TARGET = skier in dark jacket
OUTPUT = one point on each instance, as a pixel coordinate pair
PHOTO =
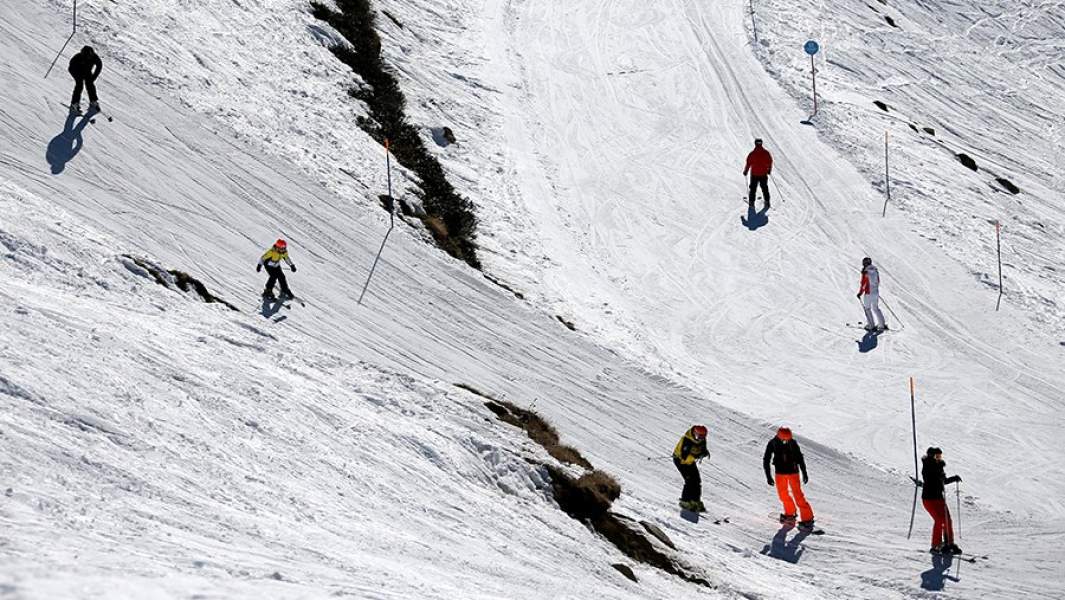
(786, 456)
(271, 259)
(691, 448)
(760, 166)
(85, 67)
(932, 496)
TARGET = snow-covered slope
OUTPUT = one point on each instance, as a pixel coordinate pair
(155, 446)
(637, 117)
(984, 79)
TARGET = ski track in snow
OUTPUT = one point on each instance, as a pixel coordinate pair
(157, 447)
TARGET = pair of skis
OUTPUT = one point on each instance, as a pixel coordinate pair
(861, 325)
(91, 114)
(972, 558)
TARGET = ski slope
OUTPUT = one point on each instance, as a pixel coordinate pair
(156, 446)
(648, 112)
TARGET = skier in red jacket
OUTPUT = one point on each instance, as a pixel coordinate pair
(760, 166)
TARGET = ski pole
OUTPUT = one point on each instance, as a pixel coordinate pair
(897, 319)
(776, 187)
(659, 457)
(957, 493)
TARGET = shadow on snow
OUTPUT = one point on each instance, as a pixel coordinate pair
(65, 146)
(784, 549)
(755, 220)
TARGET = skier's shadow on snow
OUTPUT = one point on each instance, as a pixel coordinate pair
(783, 548)
(271, 307)
(934, 579)
(868, 342)
(755, 220)
(65, 146)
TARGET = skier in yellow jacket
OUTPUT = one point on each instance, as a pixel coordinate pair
(691, 448)
(271, 259)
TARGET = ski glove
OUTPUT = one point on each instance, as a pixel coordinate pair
(769, 481)
(956, 478)
(859, 296)
(258, 267)
(293, 268)
(805, 479)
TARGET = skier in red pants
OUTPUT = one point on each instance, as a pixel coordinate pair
(784, 453)
(932, 496)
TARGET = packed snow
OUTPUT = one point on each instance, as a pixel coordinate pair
(154, 446)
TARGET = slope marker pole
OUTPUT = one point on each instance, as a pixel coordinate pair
(392, 222)
(998, 244)
(913, 420)
(887, 175)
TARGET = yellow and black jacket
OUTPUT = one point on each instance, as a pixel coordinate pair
(273, 258)
(689, 450)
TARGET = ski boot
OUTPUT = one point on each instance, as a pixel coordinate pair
(75, 109)
(951, 549)
(940, 549)
(697, 506)
(287, 295)
(766, 207)
(787, 519)
(808, 525)
(94, 107)
(689, 505)
(269, 296)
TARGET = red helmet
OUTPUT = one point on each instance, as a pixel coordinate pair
(784, 433)
(699, 432)
(280, 244)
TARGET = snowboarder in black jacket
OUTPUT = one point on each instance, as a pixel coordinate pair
(933, 486)
(85, 67)
(784, 452)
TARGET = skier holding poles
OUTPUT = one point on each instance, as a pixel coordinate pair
(760, 165)
(870, 288)
(934, 500)
(85, 67)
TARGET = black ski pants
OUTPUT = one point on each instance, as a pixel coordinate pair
(276, 275)
(759, 180)
(90, 86)
(693, 484)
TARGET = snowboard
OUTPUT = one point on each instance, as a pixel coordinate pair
(806, 530)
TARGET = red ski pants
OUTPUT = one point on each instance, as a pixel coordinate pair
(943, 529)
(791, 482)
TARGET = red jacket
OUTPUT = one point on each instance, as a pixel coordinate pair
(759, 162)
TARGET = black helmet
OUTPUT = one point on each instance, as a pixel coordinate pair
(867, 261)
(87, 50)
(932, 451)
(757, 141)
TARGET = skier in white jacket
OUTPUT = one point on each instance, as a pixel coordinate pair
(870, 288)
